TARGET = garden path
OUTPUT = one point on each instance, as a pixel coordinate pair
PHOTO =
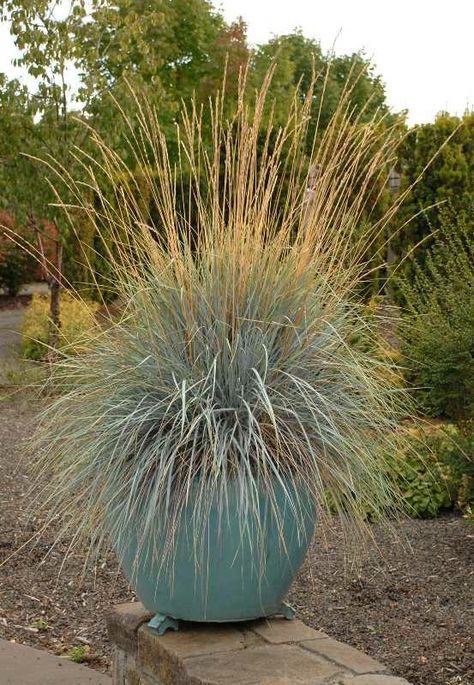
(10, 325)
(21, 665)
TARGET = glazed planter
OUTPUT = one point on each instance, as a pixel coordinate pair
(235, 577)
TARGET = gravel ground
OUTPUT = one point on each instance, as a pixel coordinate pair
(410, 603)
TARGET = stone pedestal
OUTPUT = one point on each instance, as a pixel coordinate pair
(265, 652)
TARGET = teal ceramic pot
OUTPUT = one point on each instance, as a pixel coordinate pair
(235, 579)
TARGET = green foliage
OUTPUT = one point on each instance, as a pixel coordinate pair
(448, 178)
(432, 471)
(458, 458)
(165, 45)
(17, 134)
(421, 474)
(40, 624)
(436, 472)
(417, 474)
(14, 268)
(77, 324)
(80, 654)
(297, 57)
(39, 119)
(166, 51)
(438, 327)
(40, 123)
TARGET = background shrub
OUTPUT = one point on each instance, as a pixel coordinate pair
(449, 177)
(458, 459)
(421, 474)
(77, 320)
(432, 471)
(14, 268)
(438, 328)
(436, 471)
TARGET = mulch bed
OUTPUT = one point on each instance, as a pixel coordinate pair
(409, 604)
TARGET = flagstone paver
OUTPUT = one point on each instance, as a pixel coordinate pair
(21, 665)
(345, 655)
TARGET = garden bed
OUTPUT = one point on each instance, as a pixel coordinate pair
(409, 604)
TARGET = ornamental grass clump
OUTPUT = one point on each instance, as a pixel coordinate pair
(230, 366)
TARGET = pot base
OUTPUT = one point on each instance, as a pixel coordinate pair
(160, 623)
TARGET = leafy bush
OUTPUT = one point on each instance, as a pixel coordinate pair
(77, 321)
(14, 268)
(438, 329)
(420, 473)
(368, 338)
(457, 458)
(435, 471)
(416, 473)
(432, 471)
(442, 175)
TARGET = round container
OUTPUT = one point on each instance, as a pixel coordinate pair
(234, 577)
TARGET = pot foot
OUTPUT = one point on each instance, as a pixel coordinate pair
(160, 623)
(286, 611)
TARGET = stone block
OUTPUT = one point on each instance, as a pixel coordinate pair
(263, 664)
(343, 654)
(123, 623)
(124, 669)
(118, 666)
(163, 656)
(148, 680)
(194, 639)
(165, 668)
(280, 630)
(275, 680)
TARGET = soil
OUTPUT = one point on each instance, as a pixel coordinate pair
(409, 603)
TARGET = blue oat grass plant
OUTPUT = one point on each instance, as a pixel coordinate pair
(231, 364)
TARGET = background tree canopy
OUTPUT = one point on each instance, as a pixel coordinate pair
(442, 153)
(82, 56)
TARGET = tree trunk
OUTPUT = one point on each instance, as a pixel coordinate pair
(53, 273)
(54, 311)
(55, 286)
